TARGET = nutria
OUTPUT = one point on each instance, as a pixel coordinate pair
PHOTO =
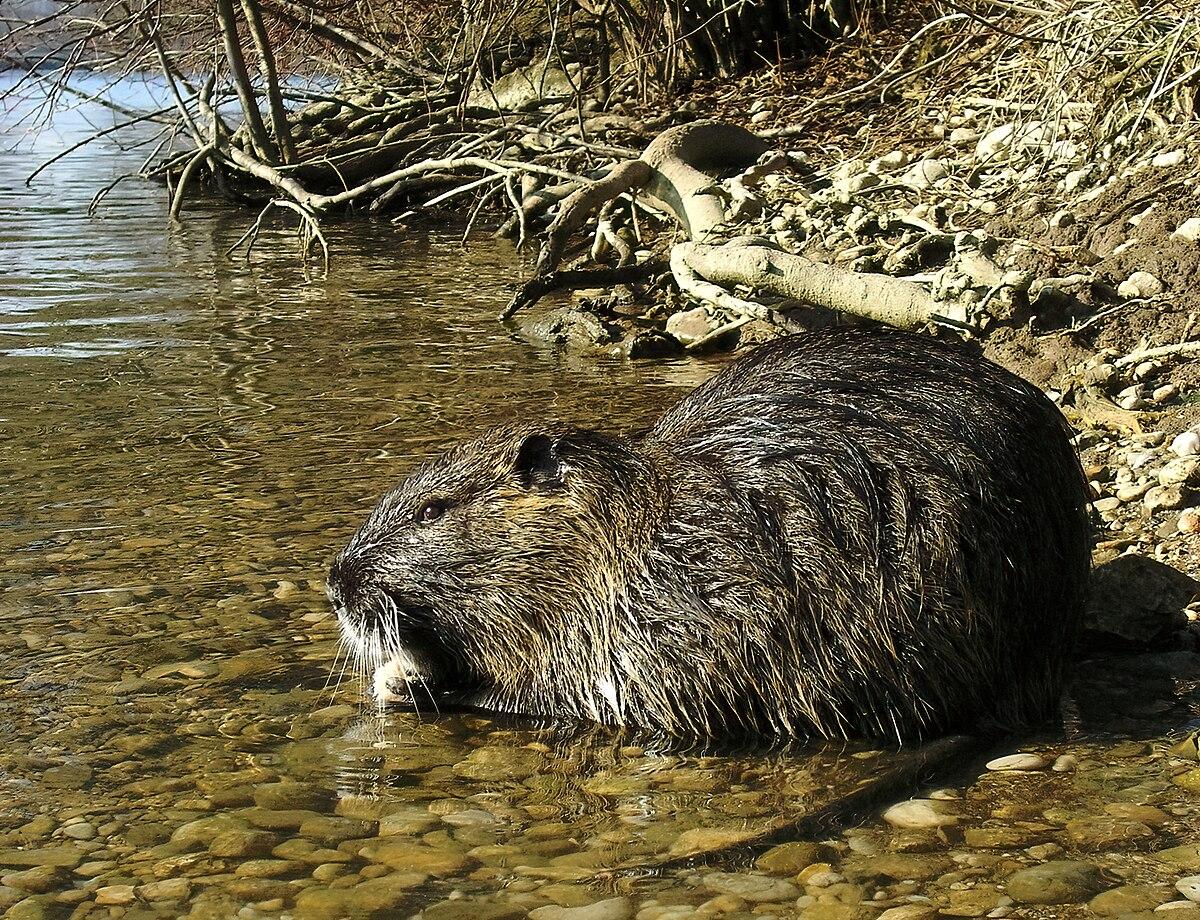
(853, 531)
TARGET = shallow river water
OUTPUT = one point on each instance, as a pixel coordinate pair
(186, 438)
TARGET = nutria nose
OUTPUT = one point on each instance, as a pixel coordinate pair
(344, 585)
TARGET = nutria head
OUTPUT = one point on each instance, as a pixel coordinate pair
(475, 581)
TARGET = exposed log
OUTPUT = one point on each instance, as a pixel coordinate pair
(877, 297)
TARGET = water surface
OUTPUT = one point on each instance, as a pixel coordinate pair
(186, 438)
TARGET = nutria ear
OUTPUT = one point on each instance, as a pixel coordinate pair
(540, 465)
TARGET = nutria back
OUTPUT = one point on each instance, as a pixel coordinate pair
(854, 531)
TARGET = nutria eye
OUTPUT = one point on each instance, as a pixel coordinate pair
(430, 511)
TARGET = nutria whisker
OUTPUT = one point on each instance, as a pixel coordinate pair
(342, 653)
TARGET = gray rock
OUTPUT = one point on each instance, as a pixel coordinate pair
(1180, 471)
(1165, 498)
(523, 88)
(1189, 887)
(608, 909)
(1186, 444)
(1189, 230)
(690, 326)
(756, 889)
(1137, 600)
(1058, 882)
(651, 344)
(68, 776)
(924, 173)
(1140, 284)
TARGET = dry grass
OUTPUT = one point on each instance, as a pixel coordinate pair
(1106, 72)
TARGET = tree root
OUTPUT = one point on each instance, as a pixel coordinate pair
(680, 171)
(583, 203)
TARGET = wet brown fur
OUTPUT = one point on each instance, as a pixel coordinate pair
(854, 531)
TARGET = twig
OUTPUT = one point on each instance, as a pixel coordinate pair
(539, 286)
(1162, 351)
(184, 177)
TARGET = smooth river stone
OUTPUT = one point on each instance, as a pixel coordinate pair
(756, 889)
(705, 839)
(790, 858)
(608, 909)
(1189, 887)
(203, 831)
(473, 909)
(896, 867)
(909, 912)
(236, 844)
(169, 889)
(1020, 761)
(37, 880)
(286, 796)
(1102, 832)
(920, 814)
(409, 856)
(46, 856)
(331, 831)
(408, 822)
(1058, 882)
(1129, 899)
(115, 895)
(1185, 857)
(494, 763)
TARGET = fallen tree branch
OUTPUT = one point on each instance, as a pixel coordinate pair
(539, 286)
(877, 297)
(184, 177)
